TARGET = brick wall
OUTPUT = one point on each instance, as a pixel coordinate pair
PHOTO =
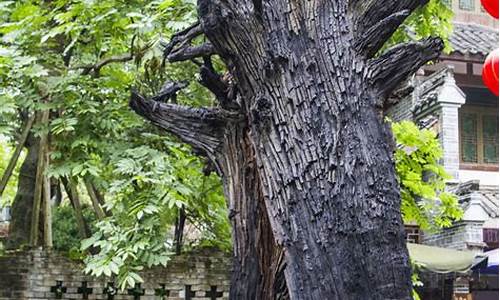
(35, 275)
(402, 110)
(460, 236)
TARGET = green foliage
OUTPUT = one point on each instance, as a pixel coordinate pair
(415, 280)
(149, 187)
(64, 227)
(422, 181)
(422, 178)
(5, 154)
(433, 19)
(46, 50)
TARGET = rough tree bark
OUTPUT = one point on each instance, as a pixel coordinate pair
(302, 145)
(22, 206)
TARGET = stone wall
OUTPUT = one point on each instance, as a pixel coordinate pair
(38, 274)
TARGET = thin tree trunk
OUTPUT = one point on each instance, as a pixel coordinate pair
(39, 179)
(72, 192)
(47, 209)
(179, 229)
(17, 152)
(100, 197)
(95, 201)
(56, 191)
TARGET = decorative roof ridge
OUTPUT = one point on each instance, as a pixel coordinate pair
(472, 24)
(428, 89)
(435, 79)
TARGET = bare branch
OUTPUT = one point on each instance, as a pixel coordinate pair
(190, 52)
(202, 128)
(179, 48)
(397, 63)
(184, 36)
(113, 59)
(169, 91)
(376, 21)
(213, 81)
(96, 68)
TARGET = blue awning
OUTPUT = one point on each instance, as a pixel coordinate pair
(492, 265)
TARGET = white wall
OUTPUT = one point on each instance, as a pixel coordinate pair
(485, 178)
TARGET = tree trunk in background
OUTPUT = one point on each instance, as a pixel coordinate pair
(20, 223)
(47, 206)
(74, 198)
(304, 149)
(95, 201)
(15, 155)
(36, 232)
(180, 221)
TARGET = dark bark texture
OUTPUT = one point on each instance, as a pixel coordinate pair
(22, 206)
(304, 152)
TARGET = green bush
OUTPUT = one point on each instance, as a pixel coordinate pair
(65, 229)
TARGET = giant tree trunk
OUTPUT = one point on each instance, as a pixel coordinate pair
(304, 141)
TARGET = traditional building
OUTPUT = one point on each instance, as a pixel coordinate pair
(450, 98)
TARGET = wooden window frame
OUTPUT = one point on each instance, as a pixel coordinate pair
(480, 111)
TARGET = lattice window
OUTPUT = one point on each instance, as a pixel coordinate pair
(490, 235)
(478, 137)
(468, 134)
(468, 5)
(490, 139)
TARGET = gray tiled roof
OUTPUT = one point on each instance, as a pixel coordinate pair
(488, 195)
(429, 89)
(469, 38)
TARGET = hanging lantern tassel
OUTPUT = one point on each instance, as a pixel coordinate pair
(490, 71)
(491, 6)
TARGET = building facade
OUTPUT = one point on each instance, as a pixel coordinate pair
(450, 98)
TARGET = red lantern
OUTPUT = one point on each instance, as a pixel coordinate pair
(491, 6)
(490, 71)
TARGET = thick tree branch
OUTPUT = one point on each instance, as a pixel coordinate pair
(190, 52)
(377, 20)
(375, 37)
(396, 64)
(202, 128)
